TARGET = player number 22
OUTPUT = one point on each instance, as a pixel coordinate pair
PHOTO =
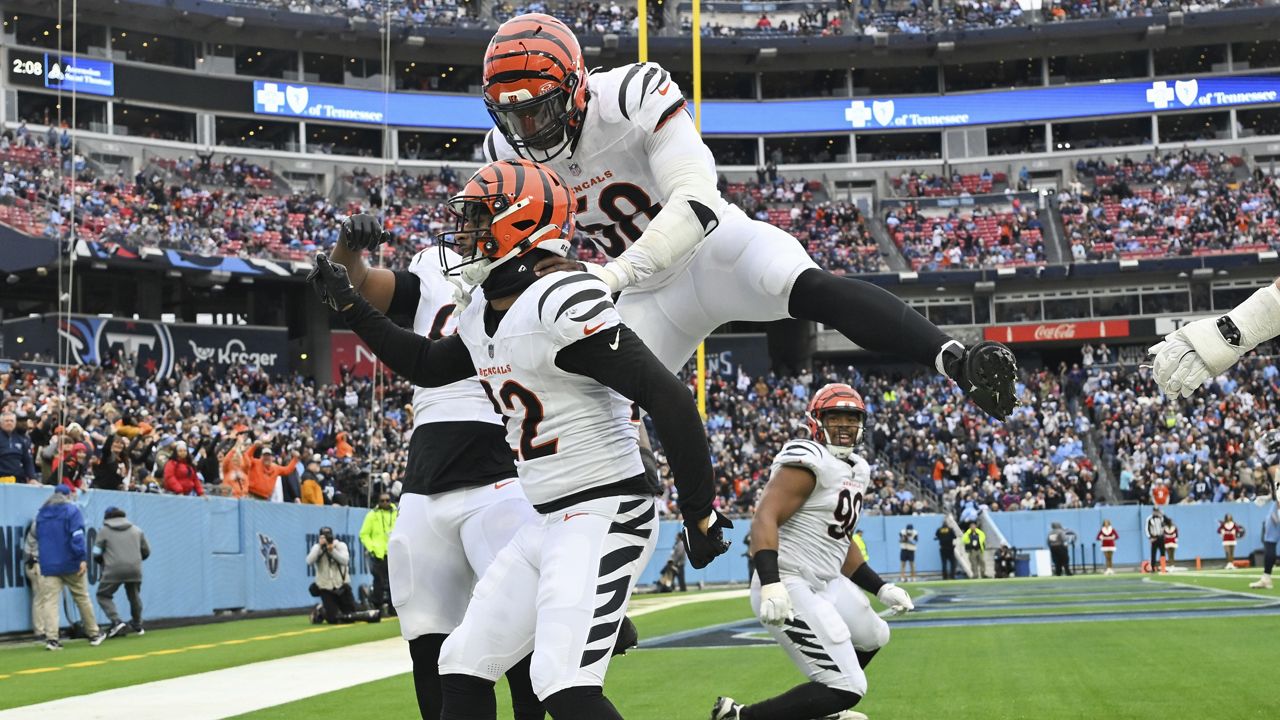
(533, 414)
(848, 507)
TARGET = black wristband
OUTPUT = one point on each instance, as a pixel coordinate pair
(766, 562)
(867, 579)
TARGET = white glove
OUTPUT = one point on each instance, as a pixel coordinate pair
(611, 273)
(461, 295)
(895, 598)
(1190, 355)
(775, 604)
(1197, 351)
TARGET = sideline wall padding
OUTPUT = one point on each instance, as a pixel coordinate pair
(220, 554)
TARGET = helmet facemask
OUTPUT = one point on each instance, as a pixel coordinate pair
(538, 128)
(474, 242)
(840, 429)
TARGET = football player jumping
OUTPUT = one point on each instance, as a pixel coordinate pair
(555, 359)
(1205, 348)
(808, 572)
(685, 260)
(1269, 450)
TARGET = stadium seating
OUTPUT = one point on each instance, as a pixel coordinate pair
(744, 19)
(987, 236)
(920, 184)
(1178, 204)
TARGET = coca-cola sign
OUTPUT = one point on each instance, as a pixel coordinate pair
(1058, 332)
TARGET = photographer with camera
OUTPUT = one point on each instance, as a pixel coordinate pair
(332, 585)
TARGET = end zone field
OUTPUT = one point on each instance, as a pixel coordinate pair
(1180, 646)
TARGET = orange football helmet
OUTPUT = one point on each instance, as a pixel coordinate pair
(506, 209)
(535, 85)
(835, 398)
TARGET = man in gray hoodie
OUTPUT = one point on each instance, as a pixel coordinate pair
(121, 548)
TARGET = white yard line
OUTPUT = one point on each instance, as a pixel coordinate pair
(233, 691)
(641, 605)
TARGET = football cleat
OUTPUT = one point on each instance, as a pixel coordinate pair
(726, 709)
(986, 372)
(1263, 583)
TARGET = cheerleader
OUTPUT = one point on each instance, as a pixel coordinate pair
(1170, 539)
(1230, 532)
(1107, 536)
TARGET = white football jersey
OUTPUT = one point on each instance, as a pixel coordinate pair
(817, 537)
(461, 401)
(570, 432)
(609, 171)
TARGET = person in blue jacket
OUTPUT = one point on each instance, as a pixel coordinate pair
(64, 557)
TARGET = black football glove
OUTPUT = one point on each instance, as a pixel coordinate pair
(986, 372)
(332, 284)
(362, 232)
(703, 548)
(628, 637)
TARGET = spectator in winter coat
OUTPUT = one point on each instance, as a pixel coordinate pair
(180, 477)
(16, 462)
(312, 493)
(64, 560)
(114, 470)
(121, 548)
(342, 448)
(234, 464)
(264, 474)
(69, 468)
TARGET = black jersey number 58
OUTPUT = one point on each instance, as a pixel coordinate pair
(848, 508)
(613, 238)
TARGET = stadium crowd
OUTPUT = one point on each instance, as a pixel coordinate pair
(1200, 449)
(986, 235)
(199, 432)
(232, 432)
(1180, 203)
(743, 20)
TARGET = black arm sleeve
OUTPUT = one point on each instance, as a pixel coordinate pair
(863, 312)
(633, 371)
(422, 361)
(408, 292)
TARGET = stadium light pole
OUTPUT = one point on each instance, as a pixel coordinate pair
(697, 123)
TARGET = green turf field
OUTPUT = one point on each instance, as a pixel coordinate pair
(1113, 647)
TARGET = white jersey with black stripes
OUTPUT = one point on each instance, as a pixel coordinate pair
(570, 432)
(463, 401)
(816, 538)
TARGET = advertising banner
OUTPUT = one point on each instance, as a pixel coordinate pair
(1056, 332)
(153, 345)
(317, 102)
